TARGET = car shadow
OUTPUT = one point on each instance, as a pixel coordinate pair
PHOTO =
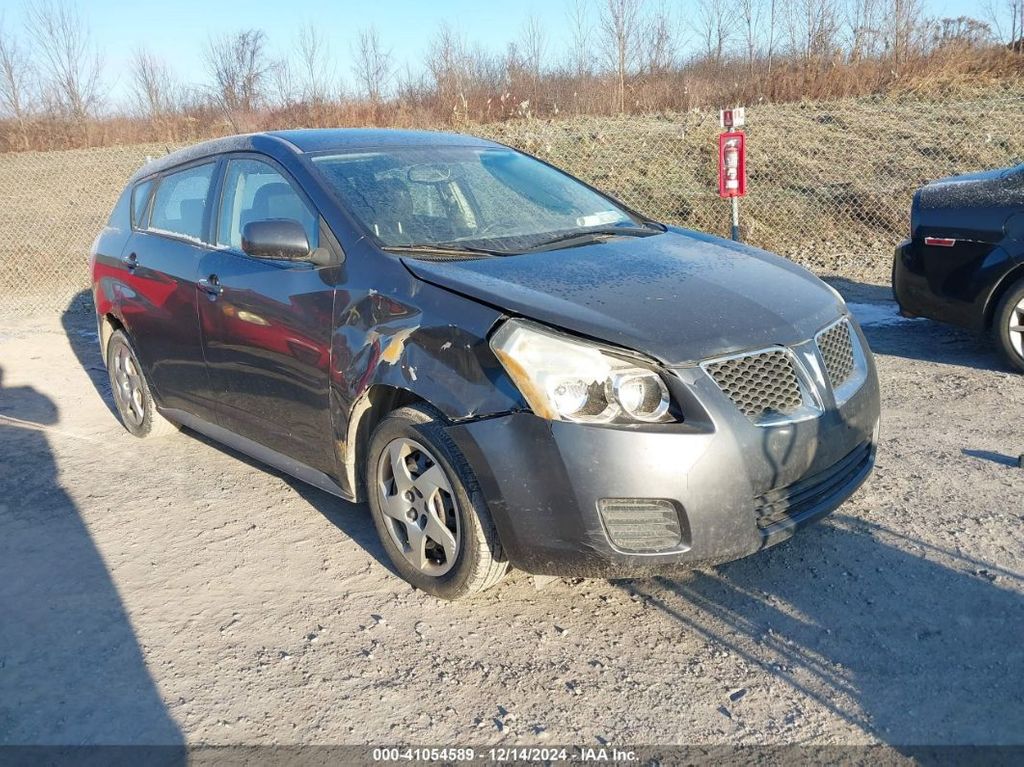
(919, 339)
(906, 641)
(71, 669)
(79, 322)
(352, 520)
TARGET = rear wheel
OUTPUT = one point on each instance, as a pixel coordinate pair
(132, 395)
(1008, 326)
(428, 509)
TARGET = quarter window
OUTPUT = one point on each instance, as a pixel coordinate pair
(255, 191)
(140, 200)
(180, 202)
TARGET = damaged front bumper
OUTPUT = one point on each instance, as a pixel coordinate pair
(572, 499)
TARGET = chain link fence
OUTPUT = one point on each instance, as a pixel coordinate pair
(829, 183)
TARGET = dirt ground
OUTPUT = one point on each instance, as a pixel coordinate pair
(172, 591)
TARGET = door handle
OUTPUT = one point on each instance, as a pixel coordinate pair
(211, 286)
(130, 261)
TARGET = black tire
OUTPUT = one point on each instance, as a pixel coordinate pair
(132, 395)
(480, 562)
(1008, 314)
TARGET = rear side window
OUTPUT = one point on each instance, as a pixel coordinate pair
(140, 202)
(180, 202)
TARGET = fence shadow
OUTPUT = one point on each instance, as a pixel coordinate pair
(919, 339)
(884, 636)
(71, 670)
(997, 458)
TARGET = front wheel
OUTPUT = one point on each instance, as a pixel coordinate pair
(428, 509)
(1008, 326)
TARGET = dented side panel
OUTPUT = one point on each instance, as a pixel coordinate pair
(393, 330)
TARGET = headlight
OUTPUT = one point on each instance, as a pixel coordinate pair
(566, 379)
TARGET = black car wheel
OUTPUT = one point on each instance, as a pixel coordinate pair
(428, 509)
(1008, 326)
(131, 391)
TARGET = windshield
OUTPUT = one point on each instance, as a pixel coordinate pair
(470, 198)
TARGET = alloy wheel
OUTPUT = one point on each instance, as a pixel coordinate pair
(419, 506)
(129, 388)
(1016, 328)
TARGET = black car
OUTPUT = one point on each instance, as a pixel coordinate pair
(964, 261)
(512, 368)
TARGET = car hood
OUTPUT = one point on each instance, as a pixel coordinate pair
(678, 297)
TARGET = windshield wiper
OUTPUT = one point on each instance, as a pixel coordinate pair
(441, 250)
(610, 231)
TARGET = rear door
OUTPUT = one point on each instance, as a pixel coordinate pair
(158, 298)
(266, 324)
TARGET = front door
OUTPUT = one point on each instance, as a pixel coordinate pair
(266, 324)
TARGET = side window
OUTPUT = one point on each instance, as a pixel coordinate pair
(140, 202)
(180, 202)
(255, 191)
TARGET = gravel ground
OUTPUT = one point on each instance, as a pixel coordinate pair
(169, 591)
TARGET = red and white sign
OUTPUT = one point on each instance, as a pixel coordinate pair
(732, 118)
(732, 164)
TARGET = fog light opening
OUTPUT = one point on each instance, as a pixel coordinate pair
(642, 525)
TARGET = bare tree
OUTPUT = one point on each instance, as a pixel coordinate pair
(373, 67)
(659, 42)
(153, 87)
(813, 27)
(619, 28)
(901, 31)
(581, 62)
(70, 62)
(447, 62)
(17, 83)
(1007, 19)
(862, 22)
(750, 12)
(318, 74)
(287, 91)
(515, 67)
(534, 43)
(16, 80)
(240, 70)
(962, 31)
(714, 23)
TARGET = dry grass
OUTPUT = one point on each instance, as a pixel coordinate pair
(830, 183)
(497, 96)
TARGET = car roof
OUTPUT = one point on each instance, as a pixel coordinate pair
(327, 139)
(306, 140)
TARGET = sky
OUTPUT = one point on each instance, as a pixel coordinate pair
(177, 31)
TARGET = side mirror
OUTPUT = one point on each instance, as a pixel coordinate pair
(282, 238)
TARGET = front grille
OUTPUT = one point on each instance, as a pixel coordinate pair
(836, 348)
(808, 495)
(641, 524)
(762, 384)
